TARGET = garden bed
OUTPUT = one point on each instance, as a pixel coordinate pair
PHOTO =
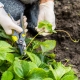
(68, 18)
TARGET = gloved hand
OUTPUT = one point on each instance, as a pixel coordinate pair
(46, 13)
(7, 24)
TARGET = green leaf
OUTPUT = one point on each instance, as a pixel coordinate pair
(37, 74)
(3, 56)
(25, 67)
(4, 67)
(10, 57)
(45, 24)
(21, 67)
(59, 70)
(50, 75)
(1, 62)
(11, 69)
(32, 66)
(49, 27)
(3, 34)
(5, 48)
(17, 79)
(69, 77)
(34, 58)
(48, 79)
(48, 45)
(41, 24)
(44, 66)
(51, 55)
(7, 75)
(36, 44)
(18, 68)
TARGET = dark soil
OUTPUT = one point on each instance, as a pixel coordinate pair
(68, 18)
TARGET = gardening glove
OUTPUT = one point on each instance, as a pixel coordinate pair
(46, 14)
(6, 22)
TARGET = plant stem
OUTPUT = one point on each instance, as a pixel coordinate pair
(32, 41)
(68, 35)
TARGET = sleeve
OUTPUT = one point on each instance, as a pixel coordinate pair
(1, 5)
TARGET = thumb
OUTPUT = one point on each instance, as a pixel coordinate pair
(8, 31)
(17, 28)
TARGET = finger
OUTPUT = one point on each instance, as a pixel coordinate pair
(25, 24)
(8, 31)
(26, 30)
(17, 28)
(17, 22)
(25, 19)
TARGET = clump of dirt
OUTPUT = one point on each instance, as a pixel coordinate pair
(68, 18)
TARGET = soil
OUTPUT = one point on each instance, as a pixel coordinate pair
(68, 18)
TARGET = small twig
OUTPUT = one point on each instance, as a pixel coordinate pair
(68, 35)
(32, 40)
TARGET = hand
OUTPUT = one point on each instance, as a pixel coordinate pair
(25, 23)
(7, 24)
(46, 13)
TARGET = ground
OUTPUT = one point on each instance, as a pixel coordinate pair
(68, 18)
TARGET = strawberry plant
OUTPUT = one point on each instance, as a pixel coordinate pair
(38, 64)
